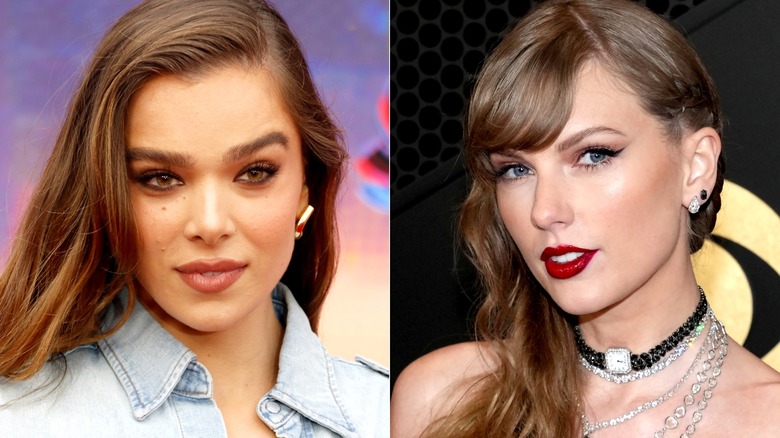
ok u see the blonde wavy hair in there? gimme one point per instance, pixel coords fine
(522, 100)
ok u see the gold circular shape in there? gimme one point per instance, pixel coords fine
(727, 288)
(750, 222)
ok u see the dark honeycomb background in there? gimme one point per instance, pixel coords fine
(436, 49)
(437, 46)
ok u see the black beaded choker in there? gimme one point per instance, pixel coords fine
(622, 361)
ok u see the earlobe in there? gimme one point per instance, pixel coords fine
(702, 150)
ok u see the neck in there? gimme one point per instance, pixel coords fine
(242, 359)
(651, 313)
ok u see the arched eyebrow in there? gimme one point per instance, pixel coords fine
(239, 152)
(232, 155)
(172, 159)
(565, 144)
(585, 133)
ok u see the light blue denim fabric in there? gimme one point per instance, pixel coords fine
(142, 382)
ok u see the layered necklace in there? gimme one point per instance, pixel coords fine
(619, 361)
(706, 367)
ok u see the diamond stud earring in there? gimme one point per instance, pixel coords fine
(693, 207)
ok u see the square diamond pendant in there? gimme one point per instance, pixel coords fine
(618, 360)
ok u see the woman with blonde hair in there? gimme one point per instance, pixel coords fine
(593, 139)
(168, 276)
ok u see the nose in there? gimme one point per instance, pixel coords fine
(210, 219)
(551, 205)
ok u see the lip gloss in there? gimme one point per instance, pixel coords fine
(210, 276)
(563, 269)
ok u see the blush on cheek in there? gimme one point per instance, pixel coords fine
(268, 229)
(615, 188)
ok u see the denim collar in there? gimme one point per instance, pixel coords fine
(146, 359)
(151, 364)
(306, 381)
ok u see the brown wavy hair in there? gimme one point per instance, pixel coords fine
(77, 244)
(522, 99)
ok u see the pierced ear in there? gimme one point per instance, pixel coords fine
(701, 152)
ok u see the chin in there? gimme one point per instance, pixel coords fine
(211, 320)
(580, 309)
(211, 325)
(577, 301)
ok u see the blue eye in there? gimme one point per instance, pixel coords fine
(593, 158)
(513, 171)
(597, 156)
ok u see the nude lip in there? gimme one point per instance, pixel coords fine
(568, 269)
(210, 276)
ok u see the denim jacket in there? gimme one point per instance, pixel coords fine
(141, 381)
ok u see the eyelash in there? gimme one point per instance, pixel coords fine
(607, 152)
(265, 169)
(501, 173)
(146, 178)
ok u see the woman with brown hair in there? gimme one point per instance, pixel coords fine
(593, 138)
(168, 276)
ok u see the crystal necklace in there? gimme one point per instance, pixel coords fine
(708, 346)
(675, 354)
(706, 380)
(620, 360)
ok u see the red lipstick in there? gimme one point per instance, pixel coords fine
(211, 276)
(566, 261)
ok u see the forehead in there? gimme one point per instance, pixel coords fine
(223, 107)
(601, 98)
(602, 106)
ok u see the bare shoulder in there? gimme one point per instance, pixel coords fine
(750, 391)
(750, 375)
(432, 385)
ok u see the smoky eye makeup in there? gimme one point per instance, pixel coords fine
(257, 173)
(159, 180)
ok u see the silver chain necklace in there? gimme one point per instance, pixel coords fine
(708, 346)
(711, 369)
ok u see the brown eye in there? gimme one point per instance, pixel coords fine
(255, 175)
(258, 173)
(158, 180)
(163, 181)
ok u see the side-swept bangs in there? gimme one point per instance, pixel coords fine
(524, 95)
